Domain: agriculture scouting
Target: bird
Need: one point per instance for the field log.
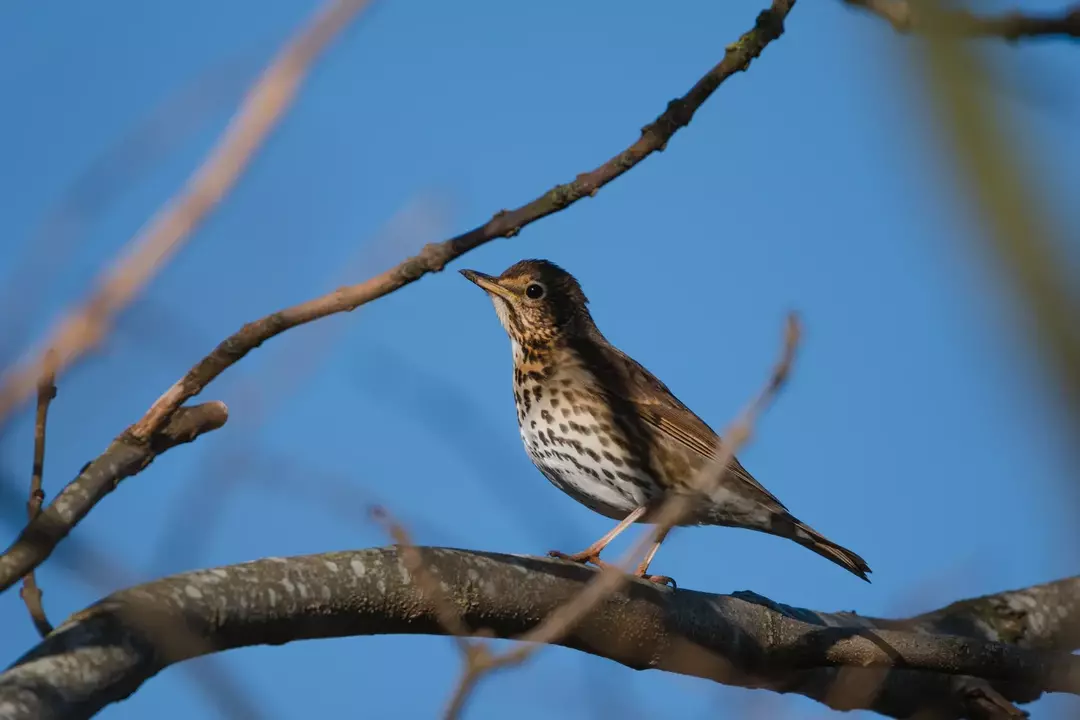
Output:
(608, 433)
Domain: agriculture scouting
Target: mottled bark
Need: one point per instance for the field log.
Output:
(1017, 640)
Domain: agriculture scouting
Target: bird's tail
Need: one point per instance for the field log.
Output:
(791, 527)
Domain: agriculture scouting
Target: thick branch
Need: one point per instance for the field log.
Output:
(104, 653)
(1011, 26)
(125, 457)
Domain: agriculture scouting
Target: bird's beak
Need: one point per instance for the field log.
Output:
(487, 283)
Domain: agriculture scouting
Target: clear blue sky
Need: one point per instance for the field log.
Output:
(918, 430)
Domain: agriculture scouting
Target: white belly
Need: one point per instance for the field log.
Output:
(576, 464)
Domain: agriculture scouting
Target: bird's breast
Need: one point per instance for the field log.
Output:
(569, 436)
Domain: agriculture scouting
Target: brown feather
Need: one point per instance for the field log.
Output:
(659, 407)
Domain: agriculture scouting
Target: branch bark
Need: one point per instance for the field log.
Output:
(1016, 641)
(124, 457)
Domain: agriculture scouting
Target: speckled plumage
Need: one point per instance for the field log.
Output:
(606, 431)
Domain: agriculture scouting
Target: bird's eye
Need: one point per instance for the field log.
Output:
(535, 291)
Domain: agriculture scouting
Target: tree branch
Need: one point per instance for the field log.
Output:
(124, 457)
(46, 392)
(160, 239)
(505, 223)
(1011, 26)
(102, 654)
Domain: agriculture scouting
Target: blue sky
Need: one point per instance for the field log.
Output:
(919, 428)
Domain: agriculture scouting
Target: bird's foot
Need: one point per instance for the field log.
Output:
(583, 557)
(593, 558)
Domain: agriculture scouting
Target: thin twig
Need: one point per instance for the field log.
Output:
(138, 149)
(434, 256)
(1009, 26)
(674, 509)
(123, 458)
(157, 241)
(46, 392)
(476, 656)
(449, 619)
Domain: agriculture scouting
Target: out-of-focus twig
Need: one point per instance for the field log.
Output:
(255, 397)
(475, 654)
(434, 257)
(46, 391)
(906, 17)
(671, 513)
(163, 235)
(120, 166)
(1020, 229)
(428, 584)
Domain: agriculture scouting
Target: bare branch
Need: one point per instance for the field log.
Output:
(124, 457)
(434, 256)
(164, 234)
(104, 653)
(1011, 26)
(46, 392)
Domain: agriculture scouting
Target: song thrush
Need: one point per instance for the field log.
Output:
(608, 433)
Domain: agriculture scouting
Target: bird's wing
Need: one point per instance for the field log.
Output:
(659, 407)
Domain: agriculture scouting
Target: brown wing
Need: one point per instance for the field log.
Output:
(659, 407)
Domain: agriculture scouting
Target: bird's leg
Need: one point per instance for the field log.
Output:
(644, 566)
(592, 553)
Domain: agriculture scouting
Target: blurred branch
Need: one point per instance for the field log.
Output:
(1021, 230)
(434, 256)
(124, 457)
(121, 166)
(255, 397)
(107, 651)
(1011, 26)
(46, 392)
(163, 235)
(476, 656)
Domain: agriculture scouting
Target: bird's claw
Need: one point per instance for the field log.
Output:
(594, 559)
(582, 558)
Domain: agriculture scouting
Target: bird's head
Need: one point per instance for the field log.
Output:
(536, 301)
